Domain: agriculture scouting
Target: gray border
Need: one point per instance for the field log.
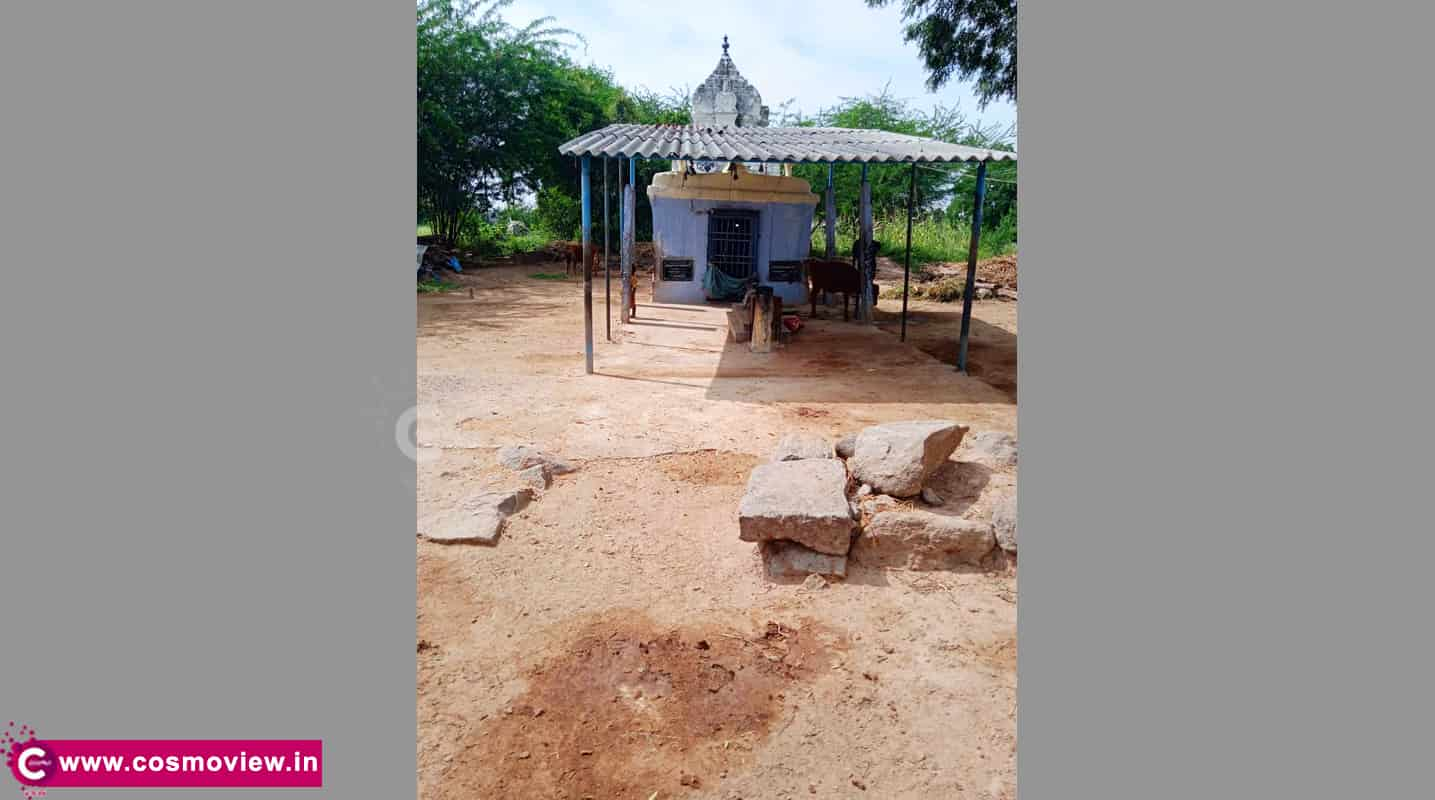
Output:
(207, 527)
(1222, 391)
(207, 320)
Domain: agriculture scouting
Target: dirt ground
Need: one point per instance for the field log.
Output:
(935, 327)
(620, 641)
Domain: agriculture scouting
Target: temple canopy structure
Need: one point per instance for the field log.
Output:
(751, 225)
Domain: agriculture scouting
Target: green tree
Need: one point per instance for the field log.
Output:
(939, 187)
(494, 103)
(973, 39)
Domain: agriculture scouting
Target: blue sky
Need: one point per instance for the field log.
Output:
(812, 51)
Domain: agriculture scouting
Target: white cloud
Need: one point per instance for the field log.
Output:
(811, 51)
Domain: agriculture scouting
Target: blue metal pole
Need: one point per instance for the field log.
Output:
(632, 302)
(907, 270)
(607, 281)
(971, 288)
(587, 193)
(619, 172)
(867, 263)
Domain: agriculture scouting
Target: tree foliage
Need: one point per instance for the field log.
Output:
(942, 190)
(494, 103)
(972, 39)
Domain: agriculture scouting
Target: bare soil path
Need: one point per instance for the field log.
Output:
(620, 641)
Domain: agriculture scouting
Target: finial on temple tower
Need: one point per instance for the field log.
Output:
(724, 44)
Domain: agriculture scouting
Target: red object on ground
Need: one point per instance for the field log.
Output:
(792, 323)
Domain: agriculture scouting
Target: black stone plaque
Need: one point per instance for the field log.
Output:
(677, 269)
(784, 271)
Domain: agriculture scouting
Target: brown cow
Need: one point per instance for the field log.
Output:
(573, 258)
(834, 276)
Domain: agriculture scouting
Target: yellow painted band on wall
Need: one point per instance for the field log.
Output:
(720, 186)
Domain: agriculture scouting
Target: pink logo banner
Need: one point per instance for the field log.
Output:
(167, 763)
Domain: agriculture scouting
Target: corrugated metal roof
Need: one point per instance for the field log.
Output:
(818, 145)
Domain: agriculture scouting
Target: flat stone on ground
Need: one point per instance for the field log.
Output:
(537, 477)
(481, 520)
(897, 458)
(523, 456)
(922, 540)
(797, 446)
(800, 501)
(791, 560)
(505, 502)
(468, 527)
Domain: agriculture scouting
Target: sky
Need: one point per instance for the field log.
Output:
(812, 51)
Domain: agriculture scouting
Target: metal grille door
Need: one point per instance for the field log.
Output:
(732, 242)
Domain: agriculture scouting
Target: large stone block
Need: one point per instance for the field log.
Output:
(897, 458)
(784, 560)
(1004, 522)
(797, 446)
(922, 540)
(800, 501)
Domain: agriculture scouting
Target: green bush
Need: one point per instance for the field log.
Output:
(491, 239)
(935, 240)
(559, 213)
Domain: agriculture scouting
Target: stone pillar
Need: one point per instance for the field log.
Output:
(628, 234)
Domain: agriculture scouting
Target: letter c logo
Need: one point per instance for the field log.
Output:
(22, 763)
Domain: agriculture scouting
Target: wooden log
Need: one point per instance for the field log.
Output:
(762, 323)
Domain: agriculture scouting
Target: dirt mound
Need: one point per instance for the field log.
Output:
(998, 270)
(628, 710)
(708, 467)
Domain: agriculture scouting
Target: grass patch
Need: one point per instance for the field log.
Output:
(430, 286)
(933, 241)
(548, 276)
(944, 290)
(425, 230)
